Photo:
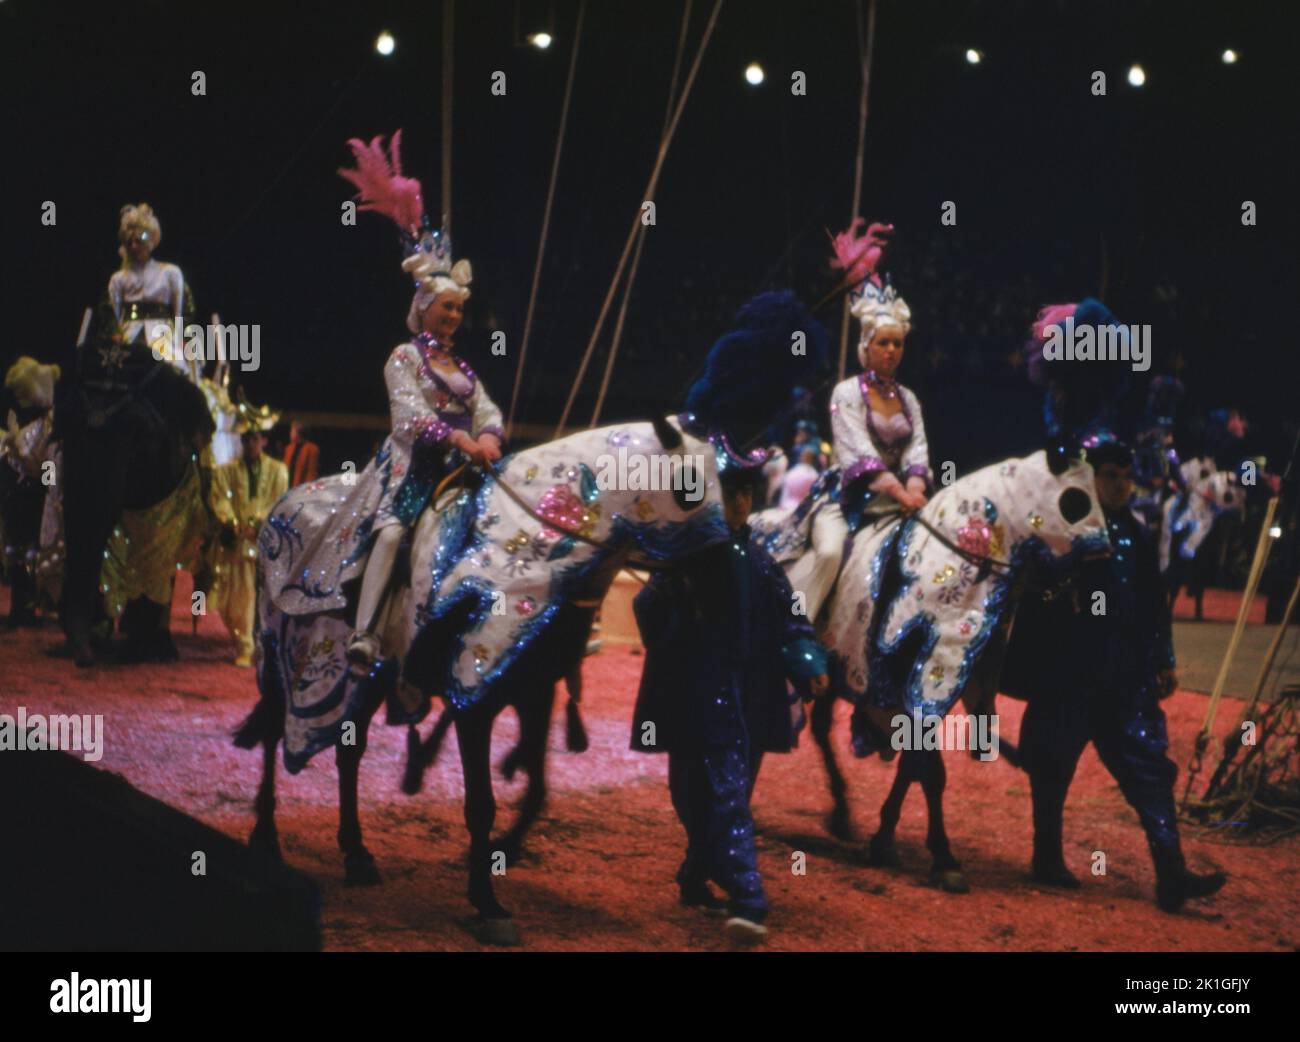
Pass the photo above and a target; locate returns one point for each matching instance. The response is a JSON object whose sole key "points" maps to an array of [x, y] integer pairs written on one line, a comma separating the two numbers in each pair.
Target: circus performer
{"points": [[25, 482], [241, 495], [720, 641], [301, 455], [150, 299], [1120, 665], [1156, 466], [441, 416], [880, 447]]}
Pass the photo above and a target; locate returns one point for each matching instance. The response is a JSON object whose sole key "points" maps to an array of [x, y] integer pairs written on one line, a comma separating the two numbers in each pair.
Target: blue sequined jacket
{"points": [[1069, 647], [721, 637]]}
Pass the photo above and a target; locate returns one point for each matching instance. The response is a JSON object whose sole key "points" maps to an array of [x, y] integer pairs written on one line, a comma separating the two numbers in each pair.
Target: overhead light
{"points": [[1229, 57], [385, 43], [754, 73], [973, 56], [541, 40], [1137, 75], [1275, 532]]}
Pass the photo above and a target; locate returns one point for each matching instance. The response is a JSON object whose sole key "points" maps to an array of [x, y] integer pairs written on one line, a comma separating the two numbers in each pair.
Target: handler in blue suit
{"points": [[1095, 670], [721, 635]]}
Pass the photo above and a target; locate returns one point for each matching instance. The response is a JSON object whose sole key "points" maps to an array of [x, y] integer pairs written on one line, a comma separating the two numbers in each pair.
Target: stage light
{"points": [[1137, 75], [1275, 532], [973, 56], [1229, 57], [385, 43], [754, 73], [541, 40]]}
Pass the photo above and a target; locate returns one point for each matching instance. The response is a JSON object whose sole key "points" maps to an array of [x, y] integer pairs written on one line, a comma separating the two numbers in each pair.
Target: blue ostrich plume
{"points": [[749, 370]]}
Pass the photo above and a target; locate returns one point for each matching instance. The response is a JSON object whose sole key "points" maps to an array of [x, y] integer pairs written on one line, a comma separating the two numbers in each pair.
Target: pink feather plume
{"points": [[380, 184], [859, 255], [1051, 315]]}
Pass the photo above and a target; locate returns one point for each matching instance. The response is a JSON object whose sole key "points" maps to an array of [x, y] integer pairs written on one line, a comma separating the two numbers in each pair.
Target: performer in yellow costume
{"points": [[242, 494]]}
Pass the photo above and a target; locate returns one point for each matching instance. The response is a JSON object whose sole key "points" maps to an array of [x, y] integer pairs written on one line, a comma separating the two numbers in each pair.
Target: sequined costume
{"points": [[721, 636], [148, 301], [241, 496], [22, 498], [336, 517], [1092, 676], [149, 546], [872, 452]]}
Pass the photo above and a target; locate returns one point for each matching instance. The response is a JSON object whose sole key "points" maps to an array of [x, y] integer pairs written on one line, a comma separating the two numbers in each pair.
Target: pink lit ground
{"points": [[603, 857]]}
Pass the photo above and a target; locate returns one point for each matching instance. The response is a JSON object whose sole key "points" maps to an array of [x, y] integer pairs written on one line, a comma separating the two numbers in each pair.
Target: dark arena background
{"points": [[624, 177]]}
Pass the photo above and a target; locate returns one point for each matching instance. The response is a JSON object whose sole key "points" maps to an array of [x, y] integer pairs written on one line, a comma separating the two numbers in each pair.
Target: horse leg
{"points": [[575, 732], [945, 870], [534, 729], [882, 851], [359, 867], [820, 720], [474, 736], [265, 836], [420, 756]]}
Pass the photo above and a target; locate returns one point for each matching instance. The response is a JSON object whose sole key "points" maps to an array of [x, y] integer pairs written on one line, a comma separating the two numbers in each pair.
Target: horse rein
{"points": [[980, 560]]}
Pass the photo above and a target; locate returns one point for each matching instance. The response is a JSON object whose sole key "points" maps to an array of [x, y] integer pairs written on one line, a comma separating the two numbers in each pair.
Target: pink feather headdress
{"points": [[1052, 315], [858, 256], [381, 186]]}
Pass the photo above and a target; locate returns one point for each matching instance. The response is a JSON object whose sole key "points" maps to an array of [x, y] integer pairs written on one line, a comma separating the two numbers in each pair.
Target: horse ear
{"points": [[669, 436], [1062, 453]]}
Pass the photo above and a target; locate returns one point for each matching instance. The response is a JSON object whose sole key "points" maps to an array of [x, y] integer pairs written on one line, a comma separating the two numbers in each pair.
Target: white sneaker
{"points": [[744, 931]]}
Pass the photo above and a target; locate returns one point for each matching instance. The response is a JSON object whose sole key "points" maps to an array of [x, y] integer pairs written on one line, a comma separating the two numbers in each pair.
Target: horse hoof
{"points": [[360, 870], [882, 855], [499, 931], [950, 881]]}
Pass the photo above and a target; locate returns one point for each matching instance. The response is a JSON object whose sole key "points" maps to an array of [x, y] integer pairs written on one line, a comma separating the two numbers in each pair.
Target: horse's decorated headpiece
{"points": [[427, 254], [775, 345], [1081, 404]]}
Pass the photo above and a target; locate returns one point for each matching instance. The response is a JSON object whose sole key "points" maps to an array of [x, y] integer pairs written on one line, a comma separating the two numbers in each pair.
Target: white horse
{"points": [[920, 600], [504, 581]]}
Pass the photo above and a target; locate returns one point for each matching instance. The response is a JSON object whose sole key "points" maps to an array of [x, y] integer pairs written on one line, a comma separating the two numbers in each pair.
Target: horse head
{"points": [[549, 526]]}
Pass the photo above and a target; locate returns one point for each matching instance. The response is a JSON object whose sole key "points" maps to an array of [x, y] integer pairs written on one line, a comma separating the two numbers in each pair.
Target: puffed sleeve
{"points": [[855, 455], [414, 422], [115, 293], [803, 656], [486, 415], [916, 458], [176, 291]]}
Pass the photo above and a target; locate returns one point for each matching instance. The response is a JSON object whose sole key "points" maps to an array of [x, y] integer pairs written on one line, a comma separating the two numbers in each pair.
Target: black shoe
{"points": [[1174, 889], [700, 895], [1054, 873], [1175, 884]]}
